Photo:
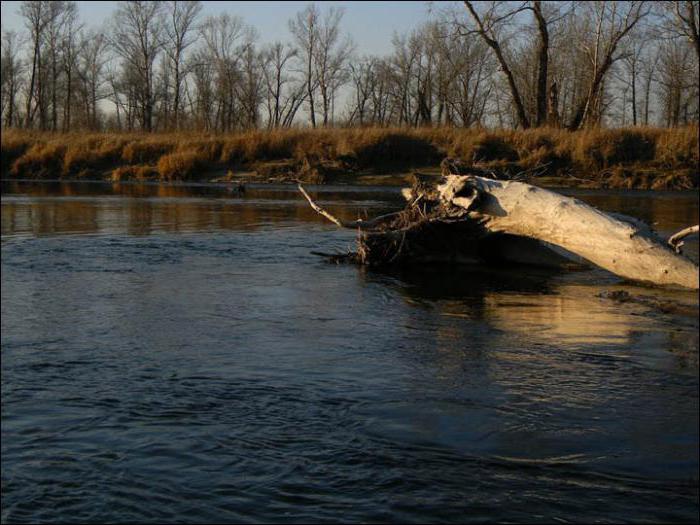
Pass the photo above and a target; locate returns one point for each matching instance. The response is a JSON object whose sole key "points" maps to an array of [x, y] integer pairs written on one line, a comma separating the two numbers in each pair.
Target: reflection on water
{"points": [[176, 353], [142, 209], [665, 211]]}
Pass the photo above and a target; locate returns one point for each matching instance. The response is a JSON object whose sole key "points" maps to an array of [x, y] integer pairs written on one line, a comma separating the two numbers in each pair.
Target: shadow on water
{"points": [[569, 307], [438, 281]]}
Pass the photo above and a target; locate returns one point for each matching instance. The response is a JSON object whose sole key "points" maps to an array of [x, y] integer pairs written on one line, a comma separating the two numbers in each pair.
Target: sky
{"points": [[371, 24]]}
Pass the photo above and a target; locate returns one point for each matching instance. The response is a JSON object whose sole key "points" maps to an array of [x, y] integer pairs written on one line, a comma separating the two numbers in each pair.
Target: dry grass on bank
{"points": [[617, 155]]}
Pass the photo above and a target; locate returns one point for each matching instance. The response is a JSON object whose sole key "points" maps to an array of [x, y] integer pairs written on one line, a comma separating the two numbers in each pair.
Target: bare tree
{"points": [[91, 71], [648, 73], [542, 63], [612, 21], [521, 63], [10, 78], [222, 38], [137, 37], [180, 22], [677, 81], [38, 15], [364, 79], [330, 57], [60, 14], [469, 86], [682, 19], [281, 98], [631, 71], [305, 30], [487, 26], [249, 90], [69, 48]]}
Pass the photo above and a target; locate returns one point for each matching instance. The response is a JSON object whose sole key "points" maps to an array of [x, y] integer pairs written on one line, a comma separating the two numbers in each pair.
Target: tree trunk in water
{"points": [[629, 250], [459, 218]]}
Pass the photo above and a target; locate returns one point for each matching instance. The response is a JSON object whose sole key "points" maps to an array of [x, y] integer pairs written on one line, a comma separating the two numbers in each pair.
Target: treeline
{"points": [[164, 66]]}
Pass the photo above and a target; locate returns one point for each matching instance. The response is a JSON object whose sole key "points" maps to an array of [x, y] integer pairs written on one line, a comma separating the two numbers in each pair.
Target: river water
{"points": [[177, 354]]}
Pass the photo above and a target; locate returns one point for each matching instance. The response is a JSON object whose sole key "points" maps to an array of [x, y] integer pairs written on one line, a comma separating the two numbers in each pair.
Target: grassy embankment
{"points": [[655, 158]]}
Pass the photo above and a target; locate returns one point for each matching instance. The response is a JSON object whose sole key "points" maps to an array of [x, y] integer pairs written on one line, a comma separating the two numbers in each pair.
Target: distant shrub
{"points": [[42, 160], [180, 165], [270, 145], [207, 150], [677, 146], [13, 145], [492, 147], [140, 152], [478, 146], [136, 172], [367, 148], [598, 149], [315, 147], [92, 155], [251, 146]]}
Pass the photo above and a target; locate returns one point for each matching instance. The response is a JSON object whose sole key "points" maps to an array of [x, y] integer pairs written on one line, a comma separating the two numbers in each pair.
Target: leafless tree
{"points": [[682, 19], [11, 72], [249, 90], [283, 94], [91, 71], [488, 25], [677, 80], [631, 70], [224, 38], [137, 37], [305, 30], [364, 79], [37, 15], [330, 57], [494, 63], [611, 22], [181, 18], [69, 50]]}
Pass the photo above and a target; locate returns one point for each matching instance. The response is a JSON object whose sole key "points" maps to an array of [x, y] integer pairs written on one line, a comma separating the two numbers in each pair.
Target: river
{"points": [[176, 353]]}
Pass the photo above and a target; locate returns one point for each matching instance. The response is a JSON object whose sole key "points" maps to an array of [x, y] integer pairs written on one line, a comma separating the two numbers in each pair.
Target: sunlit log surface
{"points": [[622, 247]]}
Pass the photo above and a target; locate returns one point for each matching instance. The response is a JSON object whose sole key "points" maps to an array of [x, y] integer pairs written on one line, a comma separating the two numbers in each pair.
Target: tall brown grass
{"points": [[586, 154]]}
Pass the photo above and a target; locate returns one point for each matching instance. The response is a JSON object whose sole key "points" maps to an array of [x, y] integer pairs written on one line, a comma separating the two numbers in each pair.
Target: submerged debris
{"points": [[338, 258], [666, 306]]}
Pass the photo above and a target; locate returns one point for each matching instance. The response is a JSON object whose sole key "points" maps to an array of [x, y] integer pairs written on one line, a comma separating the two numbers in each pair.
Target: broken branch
{"points": [[675, 241]]}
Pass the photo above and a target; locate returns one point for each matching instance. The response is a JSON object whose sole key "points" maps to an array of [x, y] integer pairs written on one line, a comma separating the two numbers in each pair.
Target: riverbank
{"points": [[640, 158]]}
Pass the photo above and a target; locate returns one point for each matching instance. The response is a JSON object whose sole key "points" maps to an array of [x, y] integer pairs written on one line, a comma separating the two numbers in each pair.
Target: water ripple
{"points": [[189, 360]]}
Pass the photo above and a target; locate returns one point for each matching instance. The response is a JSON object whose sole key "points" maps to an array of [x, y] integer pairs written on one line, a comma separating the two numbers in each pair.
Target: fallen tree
{"points": [[472, 216]]}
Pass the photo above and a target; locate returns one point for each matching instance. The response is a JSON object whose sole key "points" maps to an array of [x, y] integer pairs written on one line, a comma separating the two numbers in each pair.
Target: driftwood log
{"points": [[472, 218]]}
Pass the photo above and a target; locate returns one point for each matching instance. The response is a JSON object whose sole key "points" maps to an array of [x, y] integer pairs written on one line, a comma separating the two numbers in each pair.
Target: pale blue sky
{"points": [[371, 24]]}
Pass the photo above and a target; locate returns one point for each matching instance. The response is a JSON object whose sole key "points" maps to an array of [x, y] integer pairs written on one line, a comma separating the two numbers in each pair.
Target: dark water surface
{"points": [[177, 354]]}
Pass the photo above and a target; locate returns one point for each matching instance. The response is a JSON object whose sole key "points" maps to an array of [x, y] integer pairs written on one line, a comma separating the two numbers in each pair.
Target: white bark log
{"points": [[620, 247]]}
